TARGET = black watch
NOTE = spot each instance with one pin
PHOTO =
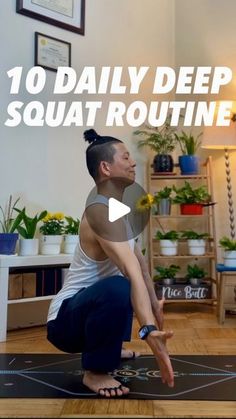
(145, 330)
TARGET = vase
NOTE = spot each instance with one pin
(197, 247)
(50, 244)
(8, 243)
(164, 206)
(168, 247)
(28, 247)
(69, 243)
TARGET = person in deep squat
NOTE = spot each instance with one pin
(107, 281)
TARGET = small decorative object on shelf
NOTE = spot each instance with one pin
(229, 247)
(28, 244)
(196, 242)
(191, 200)
(195, 274)
(71, 234)
(52, 230)
(166, 274)
(9, 224)
(163, 201)
(168, 242)
(163, 142)
(189, 161)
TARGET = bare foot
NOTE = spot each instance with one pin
(157, 342)
(129, 354)
(104, 384)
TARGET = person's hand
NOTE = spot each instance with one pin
(157, 342)
(158, 313)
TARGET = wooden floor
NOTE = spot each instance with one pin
(196, 331)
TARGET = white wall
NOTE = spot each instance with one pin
(46, 166)
(205, 34)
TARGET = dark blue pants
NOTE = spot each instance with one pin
(95, 321)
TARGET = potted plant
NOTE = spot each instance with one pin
(195, 274)
(71, 234)
(196, 242)
(189, 161)
(162, 141)
(163, 201)
(9, 224)
(28, 244)
(168, 242)
(191, 199)
(51, 233)
(166, 274)
(229, 246)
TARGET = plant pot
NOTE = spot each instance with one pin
(230, 258)
(8, 243)
(189, 164)
(168, 281)
(50, 245)
(197, 247)
(191, 209)
(164, 206)
(168, 247)
(195, 281)
(69, 243)
(28, 247)
(163, 163)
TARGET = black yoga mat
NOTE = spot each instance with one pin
(197, 377)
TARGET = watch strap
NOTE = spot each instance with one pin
(145, 330)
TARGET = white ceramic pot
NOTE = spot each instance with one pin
(169, 247)
(50, 245)
(69, 243)
(197, 247)
(28, 247)
(230, 258)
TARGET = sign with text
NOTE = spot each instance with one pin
(184, 291)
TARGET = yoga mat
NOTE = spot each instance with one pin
(197, 377)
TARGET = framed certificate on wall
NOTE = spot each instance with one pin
(50, 53)
(67, 14)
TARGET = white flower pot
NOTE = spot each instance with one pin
(69, 243)
(197, 247)
(168, 247)
(28, 247)
(230, 258)
(50, 245)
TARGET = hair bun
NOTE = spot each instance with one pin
(91, 135)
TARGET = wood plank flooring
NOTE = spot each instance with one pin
(196, 331)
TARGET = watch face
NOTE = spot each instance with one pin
(143, 332)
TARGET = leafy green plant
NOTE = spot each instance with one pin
(189, 195)
(166, 272)
(28, 229)
(72, 226)
(227, 243)
(188, 143)
(195, 271)
(53, 224)
(164, 193)
(8, 223)
(162, 140)
(169, 235)
(193, 235)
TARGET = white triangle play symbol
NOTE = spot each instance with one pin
(116, 209)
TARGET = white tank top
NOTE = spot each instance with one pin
(83, 272)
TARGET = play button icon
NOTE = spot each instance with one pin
(113, 210)
(116, 209)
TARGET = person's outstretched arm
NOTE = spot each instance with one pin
(157, 305)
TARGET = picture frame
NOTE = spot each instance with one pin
(50, 53)
(67, 14)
